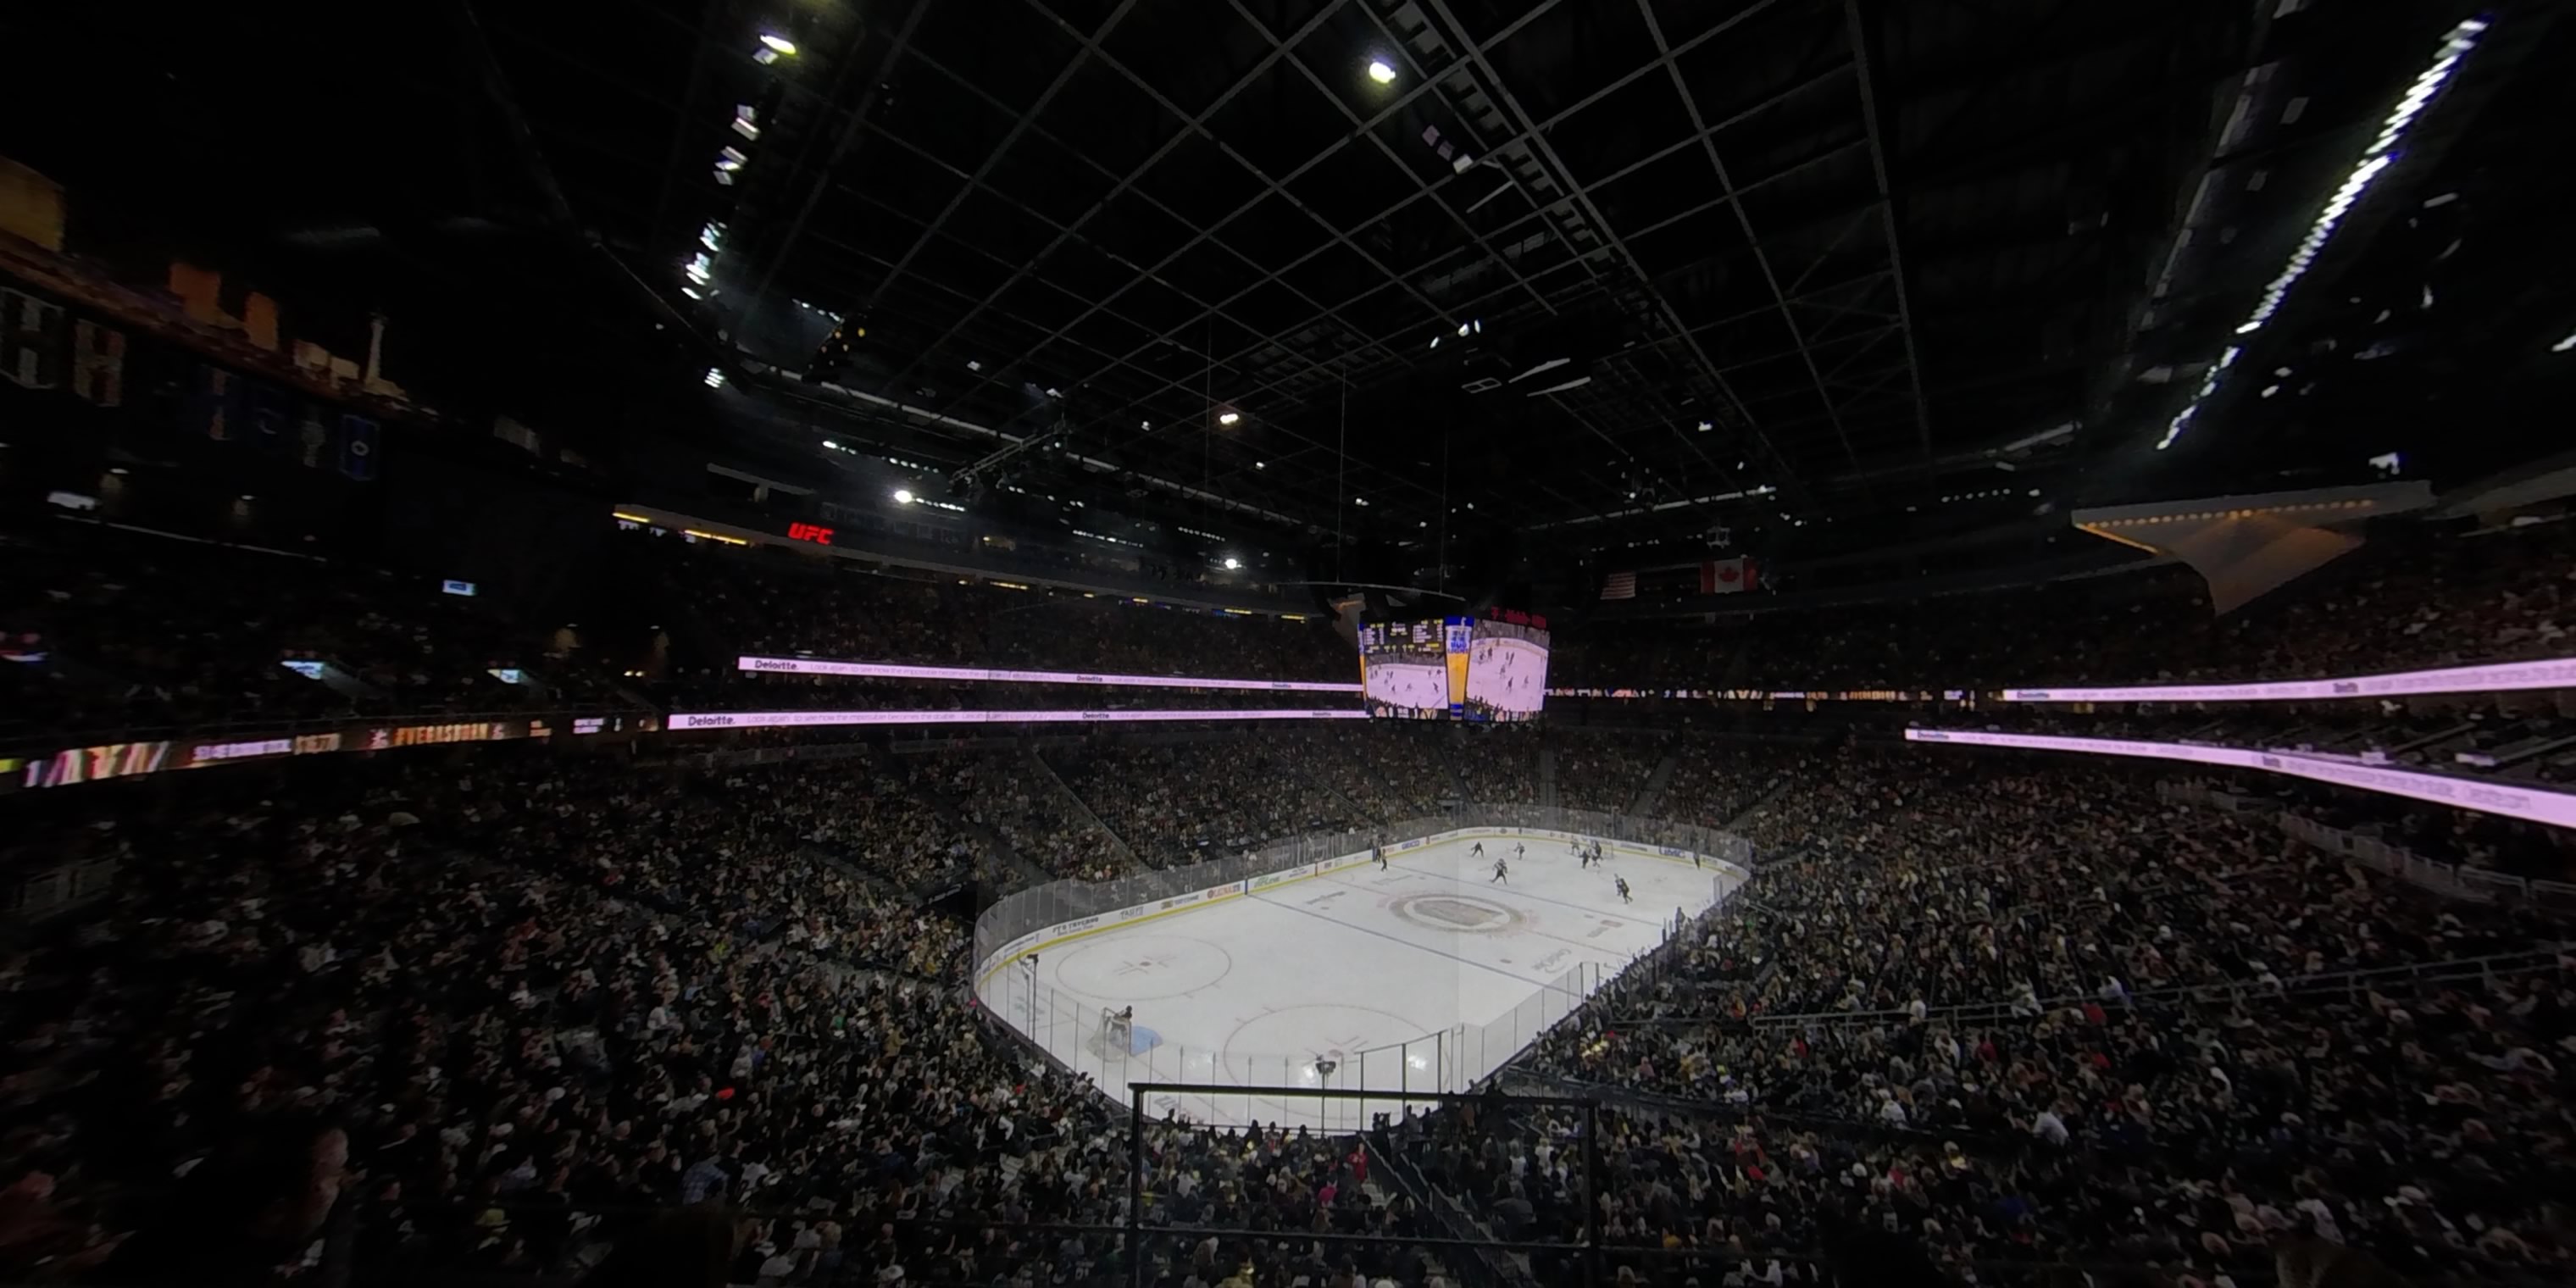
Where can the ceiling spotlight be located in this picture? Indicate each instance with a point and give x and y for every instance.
(248, 497)
(834, 446)
(1232, 563)
(1381, 71)
(1359, 500)
(715, 378)
(1464, 327)
(974, 365)
(1055, 393)
(1261, 465)
(1144, 424)
(779, 43)
(903, 496)
(1228, 417)
(1705, 426)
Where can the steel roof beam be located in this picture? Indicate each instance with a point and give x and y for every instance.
(1525, 135)
(1869, 110)
(1591, 212)
(1019, 125)
(1744, 221)
(1460, 221)
(1194, 126)
(1275, 187)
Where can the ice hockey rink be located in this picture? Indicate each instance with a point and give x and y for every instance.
(1422, 977)
(1419, 685)
(1509, 675)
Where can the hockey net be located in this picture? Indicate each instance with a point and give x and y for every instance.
(1116, 1036)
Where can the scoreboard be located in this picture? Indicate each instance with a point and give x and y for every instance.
(1465, 668)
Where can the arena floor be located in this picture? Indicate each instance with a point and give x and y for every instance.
(1423, 977)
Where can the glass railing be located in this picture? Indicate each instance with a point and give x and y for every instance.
(1217, 1084)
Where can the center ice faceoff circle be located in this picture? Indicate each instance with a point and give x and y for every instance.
(1143, 968)
(1458, 912)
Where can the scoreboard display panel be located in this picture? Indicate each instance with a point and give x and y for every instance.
(1404, 670)
(1506, 672)
(1465, 668)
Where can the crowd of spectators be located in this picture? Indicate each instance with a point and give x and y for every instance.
(1024, 803)
(475, 1010)
(1177, 803)
(2023, 1014)
(1497, 764)
(827, 693)
(1388, 769)
(110, 630)
(2410, 598)
(496, 1007)
(767, 603)
(1715, 780)
(1603, 771)
(501, 990)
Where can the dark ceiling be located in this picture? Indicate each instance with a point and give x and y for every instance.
(1773, 266)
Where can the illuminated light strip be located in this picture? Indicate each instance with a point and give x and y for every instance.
(819, 719)
(630, 518)
(893, 671)
(2201, 516)
(714, 536)
(2496, 677)
(2108, 535)
(2530, 804)
(2377, 157)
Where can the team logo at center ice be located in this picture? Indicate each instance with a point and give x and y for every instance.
(1455, 912)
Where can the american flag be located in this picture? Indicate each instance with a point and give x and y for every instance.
(1620, 585)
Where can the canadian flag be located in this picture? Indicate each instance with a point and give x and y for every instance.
(1727, 576)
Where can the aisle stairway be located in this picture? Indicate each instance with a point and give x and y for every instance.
(1044, 776)
(1547, 774)
(1000, 864)
(1651, 796)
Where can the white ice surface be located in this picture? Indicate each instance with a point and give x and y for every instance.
(1423, 686)
(1424, 977)
(1509, 675)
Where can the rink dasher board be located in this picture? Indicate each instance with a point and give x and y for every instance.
(1065, 932)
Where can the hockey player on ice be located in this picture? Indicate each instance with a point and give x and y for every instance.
(1478, 852)
(1502, 873)
(1622, 883)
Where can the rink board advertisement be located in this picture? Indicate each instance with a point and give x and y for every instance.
(1067, 931)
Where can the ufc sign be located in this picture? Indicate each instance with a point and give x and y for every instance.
(814, 532)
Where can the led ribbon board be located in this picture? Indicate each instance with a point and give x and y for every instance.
(2498, 677)
(2487, 796)
(895, 671)
(819, 719)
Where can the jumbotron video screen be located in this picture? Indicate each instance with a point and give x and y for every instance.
(1463, 668)
(1404, 670)
(1506, 671)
